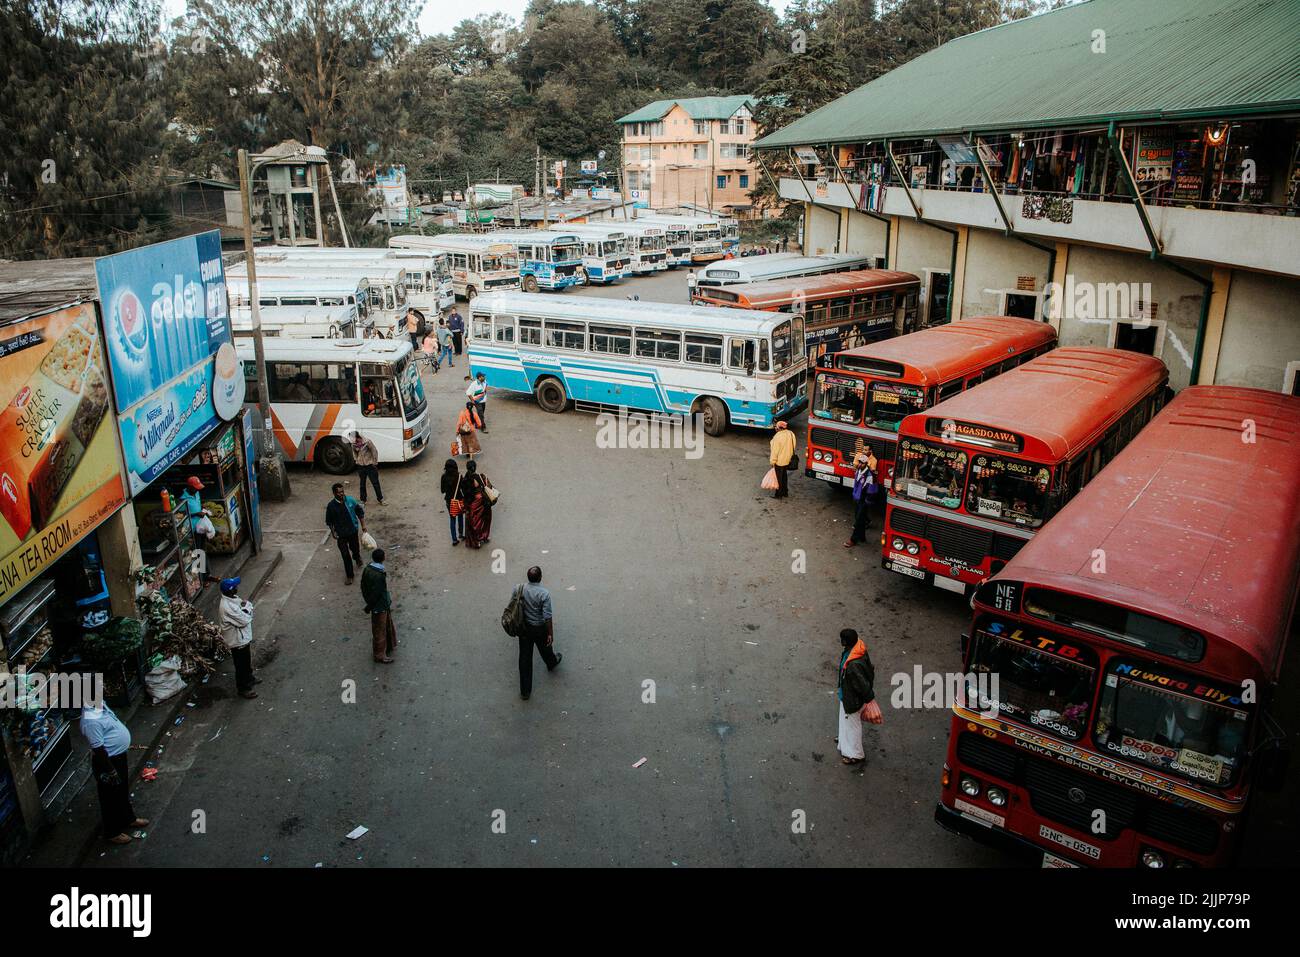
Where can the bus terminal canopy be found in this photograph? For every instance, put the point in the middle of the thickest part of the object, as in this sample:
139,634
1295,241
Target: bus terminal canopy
1092,62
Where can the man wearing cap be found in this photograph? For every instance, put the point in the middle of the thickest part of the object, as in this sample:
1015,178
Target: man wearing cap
477,393
367,458
194,506
236,617
782,449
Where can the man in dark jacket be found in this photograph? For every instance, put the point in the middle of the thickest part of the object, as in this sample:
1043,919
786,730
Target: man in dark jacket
345,517
379,604
857,696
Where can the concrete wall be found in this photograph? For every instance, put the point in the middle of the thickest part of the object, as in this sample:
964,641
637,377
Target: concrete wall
1177,298
821,230
922,247
1261,331
865,235
996,262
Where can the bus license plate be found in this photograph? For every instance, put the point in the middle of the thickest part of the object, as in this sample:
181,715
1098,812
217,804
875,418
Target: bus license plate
951,584
1051,860
904,570
827,478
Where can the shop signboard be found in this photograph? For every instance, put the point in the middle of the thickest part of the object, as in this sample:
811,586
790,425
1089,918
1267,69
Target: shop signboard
60,465
165,325
1155,157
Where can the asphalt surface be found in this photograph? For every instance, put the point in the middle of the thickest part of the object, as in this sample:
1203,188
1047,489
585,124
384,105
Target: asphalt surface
663,569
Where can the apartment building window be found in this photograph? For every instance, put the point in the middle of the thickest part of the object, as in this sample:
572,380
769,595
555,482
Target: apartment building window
701,127
722,181
733,150
744,181
646,129
724,127
701,151
738,126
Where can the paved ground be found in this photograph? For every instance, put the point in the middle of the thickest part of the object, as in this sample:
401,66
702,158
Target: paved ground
663,570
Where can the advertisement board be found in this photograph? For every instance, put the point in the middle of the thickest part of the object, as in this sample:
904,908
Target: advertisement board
165,323
60,467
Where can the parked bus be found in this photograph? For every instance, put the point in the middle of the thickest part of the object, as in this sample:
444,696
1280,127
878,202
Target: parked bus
548,259
706,234
860,396
298,322
775,266
728,366
979,473
1138,642
606,252
387,284
322,390
477,265
677,237
841,311
428,274
351,292
644,243
730,236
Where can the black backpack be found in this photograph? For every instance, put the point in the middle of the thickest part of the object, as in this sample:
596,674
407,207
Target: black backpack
512,619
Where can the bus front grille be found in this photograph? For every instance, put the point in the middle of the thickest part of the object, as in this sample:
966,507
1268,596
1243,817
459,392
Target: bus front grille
907,523
953,540
848,443
1070,797
1005,547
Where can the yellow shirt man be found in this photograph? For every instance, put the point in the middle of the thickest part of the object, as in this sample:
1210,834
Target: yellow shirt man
783,444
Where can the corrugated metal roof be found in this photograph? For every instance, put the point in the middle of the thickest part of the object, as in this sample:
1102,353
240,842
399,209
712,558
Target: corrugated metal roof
699,108
1163,59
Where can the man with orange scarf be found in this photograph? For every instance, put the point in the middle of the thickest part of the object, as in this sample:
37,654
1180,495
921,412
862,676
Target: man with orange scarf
857,697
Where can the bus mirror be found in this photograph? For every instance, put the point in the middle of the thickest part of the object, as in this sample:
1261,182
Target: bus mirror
1271,767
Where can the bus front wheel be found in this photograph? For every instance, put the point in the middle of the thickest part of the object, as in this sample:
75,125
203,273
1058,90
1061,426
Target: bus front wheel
530,284
334,456
713,415
551,395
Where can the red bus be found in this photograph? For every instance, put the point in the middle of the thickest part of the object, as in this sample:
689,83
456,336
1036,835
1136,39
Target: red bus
1137,642
977,474
841,310
860,396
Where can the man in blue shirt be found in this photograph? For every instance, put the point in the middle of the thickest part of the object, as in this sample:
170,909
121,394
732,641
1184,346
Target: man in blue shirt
539,632
110,740
346,520
457,326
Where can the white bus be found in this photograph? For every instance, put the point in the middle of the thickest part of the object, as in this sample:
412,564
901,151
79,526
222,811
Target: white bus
548,258
606,253
776,266
729,366
706,234
322,390
477,264
387,284
351,292
298,322
428,273
677,238
644,243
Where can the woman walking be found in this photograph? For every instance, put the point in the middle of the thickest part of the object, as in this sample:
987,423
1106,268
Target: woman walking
479,494
454,496
466,437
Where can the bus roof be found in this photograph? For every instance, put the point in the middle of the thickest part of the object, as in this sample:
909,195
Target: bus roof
939,353
328,350
331,253
774,292
288,268
534,235
667,314
462,242
762,268
302,285
280,313
1198,526
597,229
1055,403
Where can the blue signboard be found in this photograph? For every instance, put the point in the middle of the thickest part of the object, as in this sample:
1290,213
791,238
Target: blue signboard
165,317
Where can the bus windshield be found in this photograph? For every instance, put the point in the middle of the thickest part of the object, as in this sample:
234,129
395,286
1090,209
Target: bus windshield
1010,490
1142,719
498,263
410,387
1035,685
787,343
839,398
609,247
931,473
891,402
564,254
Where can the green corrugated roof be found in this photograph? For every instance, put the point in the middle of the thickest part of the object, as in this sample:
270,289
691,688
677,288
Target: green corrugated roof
698,107
1163,59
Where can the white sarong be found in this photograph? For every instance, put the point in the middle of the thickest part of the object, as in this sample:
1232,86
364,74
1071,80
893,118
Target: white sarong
850,743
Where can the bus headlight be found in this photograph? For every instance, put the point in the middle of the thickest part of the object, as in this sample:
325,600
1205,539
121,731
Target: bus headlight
1152,858
969,786
913,548
997,797
897,544
408,434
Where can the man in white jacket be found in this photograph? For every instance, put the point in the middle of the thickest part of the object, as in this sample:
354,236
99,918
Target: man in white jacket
237,631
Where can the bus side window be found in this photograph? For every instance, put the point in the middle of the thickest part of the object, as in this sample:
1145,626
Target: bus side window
530,331
378,390
251,393
480,327
290,382
504,328
949,389
740,355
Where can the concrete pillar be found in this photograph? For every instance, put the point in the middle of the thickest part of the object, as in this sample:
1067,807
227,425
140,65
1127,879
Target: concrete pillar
891,256
1059,273
119,543
1222,279
957,282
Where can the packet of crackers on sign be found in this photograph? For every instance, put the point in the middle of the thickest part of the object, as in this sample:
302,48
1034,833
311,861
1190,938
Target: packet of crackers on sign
47,425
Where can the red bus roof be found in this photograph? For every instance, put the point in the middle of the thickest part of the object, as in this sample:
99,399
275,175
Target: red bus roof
1198,526
939,353
772,293
1055,403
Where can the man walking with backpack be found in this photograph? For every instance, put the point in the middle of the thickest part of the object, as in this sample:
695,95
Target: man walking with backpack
528,617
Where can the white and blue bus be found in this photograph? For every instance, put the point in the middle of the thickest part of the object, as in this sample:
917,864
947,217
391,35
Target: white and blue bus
643,242
677,237
548,259
606,255
705,233
728,366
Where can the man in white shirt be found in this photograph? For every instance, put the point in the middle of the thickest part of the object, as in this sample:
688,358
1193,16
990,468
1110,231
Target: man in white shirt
110,740
477,393
237,632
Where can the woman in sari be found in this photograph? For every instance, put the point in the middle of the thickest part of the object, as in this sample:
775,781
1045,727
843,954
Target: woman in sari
466,437
478,507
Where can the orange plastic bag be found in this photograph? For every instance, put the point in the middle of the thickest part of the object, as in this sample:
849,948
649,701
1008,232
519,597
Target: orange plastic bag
769,482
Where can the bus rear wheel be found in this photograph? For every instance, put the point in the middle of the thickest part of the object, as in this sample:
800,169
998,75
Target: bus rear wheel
713,415
334,456
551,396
530,284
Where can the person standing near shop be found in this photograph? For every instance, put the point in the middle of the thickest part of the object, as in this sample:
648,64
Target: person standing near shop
539,632
780,457
346,520
477,393
237,631
855,691
457,326
367,458
109,741
379,605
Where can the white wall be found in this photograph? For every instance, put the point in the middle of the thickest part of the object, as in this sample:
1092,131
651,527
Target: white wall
1261,331
996,262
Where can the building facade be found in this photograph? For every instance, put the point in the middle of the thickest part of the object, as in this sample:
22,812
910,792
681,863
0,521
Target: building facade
1101,166
691,152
